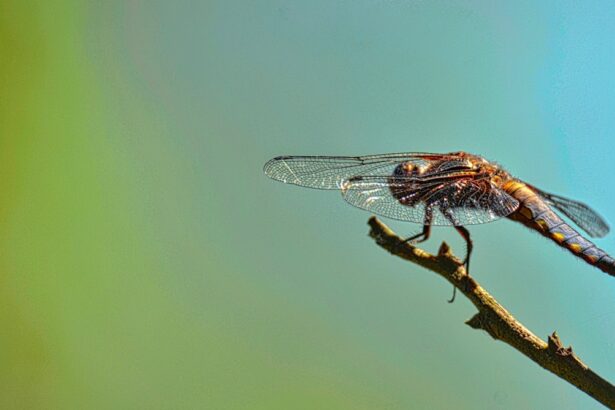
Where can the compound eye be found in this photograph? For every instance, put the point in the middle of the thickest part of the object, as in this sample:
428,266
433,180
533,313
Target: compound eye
409,168
404,169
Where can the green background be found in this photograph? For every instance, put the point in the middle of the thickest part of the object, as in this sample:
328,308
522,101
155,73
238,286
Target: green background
146,261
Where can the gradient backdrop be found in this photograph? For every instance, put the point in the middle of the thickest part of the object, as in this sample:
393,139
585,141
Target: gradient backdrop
147,263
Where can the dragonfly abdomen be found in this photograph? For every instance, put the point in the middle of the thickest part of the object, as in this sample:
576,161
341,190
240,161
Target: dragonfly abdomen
536,214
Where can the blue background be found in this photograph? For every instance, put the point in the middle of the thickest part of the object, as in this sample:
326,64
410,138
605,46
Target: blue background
148,262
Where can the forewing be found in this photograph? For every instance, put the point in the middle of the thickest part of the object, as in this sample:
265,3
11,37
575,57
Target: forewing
325,172
447,201
579,213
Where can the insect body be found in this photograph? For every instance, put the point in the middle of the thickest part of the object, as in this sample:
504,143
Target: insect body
536,212
455,189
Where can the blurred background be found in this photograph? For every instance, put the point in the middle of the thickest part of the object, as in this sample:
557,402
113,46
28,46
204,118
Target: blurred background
146,261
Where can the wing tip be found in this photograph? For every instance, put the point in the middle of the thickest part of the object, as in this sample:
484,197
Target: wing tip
270,165
603,232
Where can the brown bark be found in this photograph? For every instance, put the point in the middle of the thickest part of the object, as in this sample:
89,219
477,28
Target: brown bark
497,321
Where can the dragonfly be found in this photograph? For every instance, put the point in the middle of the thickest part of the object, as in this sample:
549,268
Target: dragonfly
455,189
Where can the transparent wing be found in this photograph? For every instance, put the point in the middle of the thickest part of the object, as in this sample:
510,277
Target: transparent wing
579,213
436,201
324,172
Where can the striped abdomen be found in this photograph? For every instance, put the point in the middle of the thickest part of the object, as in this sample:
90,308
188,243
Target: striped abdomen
536,214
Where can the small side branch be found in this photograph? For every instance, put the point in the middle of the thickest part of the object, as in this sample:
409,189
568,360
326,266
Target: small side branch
497,321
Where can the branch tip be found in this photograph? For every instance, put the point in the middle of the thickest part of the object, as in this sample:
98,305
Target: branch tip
475,322
444,250
556,346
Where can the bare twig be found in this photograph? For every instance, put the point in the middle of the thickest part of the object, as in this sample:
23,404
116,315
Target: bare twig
497,321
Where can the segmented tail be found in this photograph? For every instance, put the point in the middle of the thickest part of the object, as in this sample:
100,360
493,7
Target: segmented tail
536,214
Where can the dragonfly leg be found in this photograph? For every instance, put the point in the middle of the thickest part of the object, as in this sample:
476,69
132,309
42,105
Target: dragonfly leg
466,235
420,237
426,228
452,299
